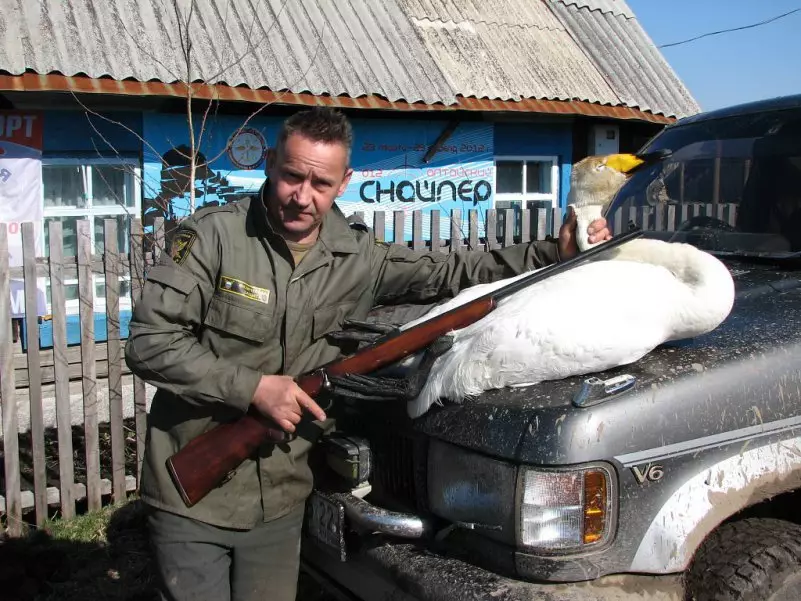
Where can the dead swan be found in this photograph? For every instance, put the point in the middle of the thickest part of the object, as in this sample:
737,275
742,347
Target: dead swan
602,314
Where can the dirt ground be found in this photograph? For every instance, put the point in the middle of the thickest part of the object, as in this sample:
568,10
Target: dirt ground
95,556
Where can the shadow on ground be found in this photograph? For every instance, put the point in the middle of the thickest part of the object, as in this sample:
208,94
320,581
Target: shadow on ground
47,566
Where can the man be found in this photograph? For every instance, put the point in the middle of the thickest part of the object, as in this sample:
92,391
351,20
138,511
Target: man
244,305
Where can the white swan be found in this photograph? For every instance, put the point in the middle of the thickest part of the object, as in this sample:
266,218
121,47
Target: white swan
605,313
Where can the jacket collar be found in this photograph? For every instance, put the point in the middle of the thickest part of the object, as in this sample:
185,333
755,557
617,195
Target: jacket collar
335,233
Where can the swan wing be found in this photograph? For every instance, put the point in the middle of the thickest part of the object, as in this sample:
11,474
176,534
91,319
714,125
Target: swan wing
593,317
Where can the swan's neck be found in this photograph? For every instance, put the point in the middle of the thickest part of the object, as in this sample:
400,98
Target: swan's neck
710,288
585,215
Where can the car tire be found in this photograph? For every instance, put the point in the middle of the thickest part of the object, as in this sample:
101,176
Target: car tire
755,559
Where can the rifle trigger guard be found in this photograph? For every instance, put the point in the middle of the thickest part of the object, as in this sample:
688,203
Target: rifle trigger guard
326,381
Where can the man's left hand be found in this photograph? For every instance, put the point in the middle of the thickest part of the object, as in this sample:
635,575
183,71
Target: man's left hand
597,231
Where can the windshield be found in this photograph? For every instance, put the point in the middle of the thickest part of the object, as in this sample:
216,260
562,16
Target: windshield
728,185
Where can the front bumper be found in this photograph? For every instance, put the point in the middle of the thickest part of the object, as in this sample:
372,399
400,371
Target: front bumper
403,571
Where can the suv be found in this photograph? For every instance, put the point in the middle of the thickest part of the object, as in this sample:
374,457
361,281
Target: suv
676,477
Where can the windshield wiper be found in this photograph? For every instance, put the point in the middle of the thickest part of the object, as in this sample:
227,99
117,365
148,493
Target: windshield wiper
753,254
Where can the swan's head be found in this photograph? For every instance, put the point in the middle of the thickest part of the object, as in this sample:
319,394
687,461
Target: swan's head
594,183
597,179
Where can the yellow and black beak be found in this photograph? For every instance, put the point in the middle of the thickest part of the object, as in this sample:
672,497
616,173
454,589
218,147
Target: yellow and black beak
629,163
624,163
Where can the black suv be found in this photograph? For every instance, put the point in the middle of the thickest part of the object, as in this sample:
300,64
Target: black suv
698,458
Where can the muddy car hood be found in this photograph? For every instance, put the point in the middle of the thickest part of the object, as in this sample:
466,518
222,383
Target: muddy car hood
683,390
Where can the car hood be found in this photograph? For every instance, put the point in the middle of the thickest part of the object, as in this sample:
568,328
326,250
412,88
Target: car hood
684,389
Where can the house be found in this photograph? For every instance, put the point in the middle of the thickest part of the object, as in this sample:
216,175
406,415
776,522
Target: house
456,104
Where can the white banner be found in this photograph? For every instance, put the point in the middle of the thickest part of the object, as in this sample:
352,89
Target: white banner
21,189
20,178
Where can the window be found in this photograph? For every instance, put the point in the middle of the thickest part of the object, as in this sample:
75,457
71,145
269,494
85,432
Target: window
95,189
530,182
734,183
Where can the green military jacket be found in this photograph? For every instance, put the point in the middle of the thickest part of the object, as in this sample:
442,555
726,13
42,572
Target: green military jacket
229,305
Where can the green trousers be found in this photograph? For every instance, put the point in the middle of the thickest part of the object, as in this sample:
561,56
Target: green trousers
201,562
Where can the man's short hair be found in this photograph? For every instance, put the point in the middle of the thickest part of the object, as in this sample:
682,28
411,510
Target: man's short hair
320,124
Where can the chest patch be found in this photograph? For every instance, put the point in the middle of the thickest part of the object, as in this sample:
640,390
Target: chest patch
240,288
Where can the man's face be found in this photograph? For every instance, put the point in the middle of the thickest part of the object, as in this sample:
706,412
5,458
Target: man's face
306,177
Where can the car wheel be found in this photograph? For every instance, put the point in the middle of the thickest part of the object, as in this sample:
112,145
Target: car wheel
755,559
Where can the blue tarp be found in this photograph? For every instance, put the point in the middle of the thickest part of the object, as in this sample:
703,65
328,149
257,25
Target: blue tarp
74,330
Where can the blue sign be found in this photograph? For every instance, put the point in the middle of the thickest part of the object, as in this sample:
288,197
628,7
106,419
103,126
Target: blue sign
387,159
231,161
390,175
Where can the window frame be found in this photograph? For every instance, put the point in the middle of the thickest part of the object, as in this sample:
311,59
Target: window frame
92,212
524,197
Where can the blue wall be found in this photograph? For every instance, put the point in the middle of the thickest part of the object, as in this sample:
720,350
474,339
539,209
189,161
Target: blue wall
73,133
539,139
387,158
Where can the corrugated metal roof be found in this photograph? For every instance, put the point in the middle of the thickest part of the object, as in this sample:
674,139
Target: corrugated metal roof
616,7
352,47
507,49
31,82
523,13
431,51
628,60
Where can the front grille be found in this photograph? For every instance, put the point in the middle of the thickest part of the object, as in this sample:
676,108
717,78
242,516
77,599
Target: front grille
399,460
394,469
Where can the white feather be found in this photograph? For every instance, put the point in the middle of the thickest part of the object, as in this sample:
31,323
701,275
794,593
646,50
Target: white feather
606,313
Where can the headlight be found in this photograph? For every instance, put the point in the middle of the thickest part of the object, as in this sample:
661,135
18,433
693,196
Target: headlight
470,488
565,510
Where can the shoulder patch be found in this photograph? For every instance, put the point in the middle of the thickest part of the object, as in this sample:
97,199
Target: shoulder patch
181,245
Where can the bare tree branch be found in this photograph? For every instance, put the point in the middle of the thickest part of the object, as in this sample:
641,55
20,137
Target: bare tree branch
281,95
113,122
249,37
184,50
163,199
214,97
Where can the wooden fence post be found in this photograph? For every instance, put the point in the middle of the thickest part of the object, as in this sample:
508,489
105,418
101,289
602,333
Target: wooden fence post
379,225
436,242
13,494
86,297
61,369
136,261
472,230
491,230
399,217
160,237
114,355
525,225
456,231
556,221
418,243
34,374
508,227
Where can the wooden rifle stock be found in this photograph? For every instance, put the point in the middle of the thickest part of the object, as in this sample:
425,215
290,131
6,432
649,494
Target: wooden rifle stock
208,459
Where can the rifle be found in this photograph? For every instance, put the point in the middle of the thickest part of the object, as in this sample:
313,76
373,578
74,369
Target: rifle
206,461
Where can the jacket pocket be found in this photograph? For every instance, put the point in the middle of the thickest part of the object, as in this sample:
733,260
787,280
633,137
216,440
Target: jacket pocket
172,277
330,318
238,320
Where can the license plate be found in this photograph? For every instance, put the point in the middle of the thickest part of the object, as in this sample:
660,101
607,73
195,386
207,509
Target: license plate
325,524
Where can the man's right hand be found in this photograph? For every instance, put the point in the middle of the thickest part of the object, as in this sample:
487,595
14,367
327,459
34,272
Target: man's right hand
282,400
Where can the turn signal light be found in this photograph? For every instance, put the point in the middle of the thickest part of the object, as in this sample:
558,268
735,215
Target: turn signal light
595,509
